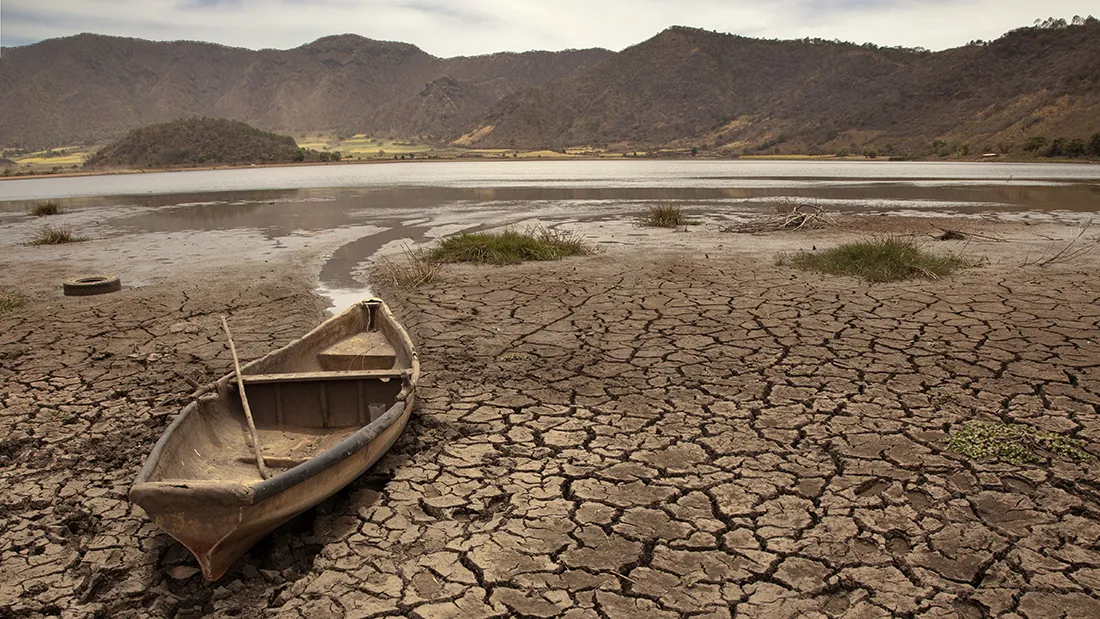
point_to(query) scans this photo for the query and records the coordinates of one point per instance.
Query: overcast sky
(468, 27)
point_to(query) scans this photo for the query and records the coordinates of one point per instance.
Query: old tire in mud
(93, 284)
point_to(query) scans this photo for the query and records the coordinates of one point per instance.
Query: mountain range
(684, 87)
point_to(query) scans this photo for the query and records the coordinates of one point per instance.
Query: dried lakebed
(634, 434)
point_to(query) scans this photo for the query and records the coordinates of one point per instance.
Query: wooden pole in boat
(266, 474)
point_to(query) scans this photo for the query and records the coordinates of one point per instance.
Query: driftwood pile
(788, 217)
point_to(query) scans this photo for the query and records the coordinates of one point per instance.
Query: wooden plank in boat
(362, 351)
(296, 377)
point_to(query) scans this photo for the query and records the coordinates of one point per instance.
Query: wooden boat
(325, 408)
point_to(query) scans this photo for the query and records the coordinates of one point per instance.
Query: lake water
(698, 174)
(413, 200)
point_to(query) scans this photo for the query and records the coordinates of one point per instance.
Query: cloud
(449, 27)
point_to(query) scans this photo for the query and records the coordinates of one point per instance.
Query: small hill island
(202, 141)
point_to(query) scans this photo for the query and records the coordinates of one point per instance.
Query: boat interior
(304, 399)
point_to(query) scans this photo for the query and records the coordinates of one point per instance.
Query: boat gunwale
(361, 438)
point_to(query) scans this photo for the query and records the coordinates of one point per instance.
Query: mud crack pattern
(653, 437)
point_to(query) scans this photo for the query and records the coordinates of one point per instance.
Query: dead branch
(795, 217)
(949, 234)
(1069, 252)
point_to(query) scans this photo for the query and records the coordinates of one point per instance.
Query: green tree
(1076, 147)
(337, 156)
(694, 150)
(870, 152)
(964, 149)
(1058, 148)
(1035, 143)
(299, 155)
(1094, 144)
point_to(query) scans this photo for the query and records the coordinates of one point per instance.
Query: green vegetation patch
(202, 141)
(665, 216)
(42, 209)
(880, 260)
(50, 235)
(1014, 443)
(10, 300)
(510, 246)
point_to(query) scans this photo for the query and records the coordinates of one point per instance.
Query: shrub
(510, 247)
(1076, 148)
(1035, 143)
(49, 235)
(870, 152)
(1094, 144)
(42, 209)
(879, 260)
(665, 216)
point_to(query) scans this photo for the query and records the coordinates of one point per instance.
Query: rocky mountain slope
(91, 87)
(682, 88)
(693, 87)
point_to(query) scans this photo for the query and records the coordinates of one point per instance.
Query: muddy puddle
(351, 225)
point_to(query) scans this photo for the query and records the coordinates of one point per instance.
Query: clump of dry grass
(880, 260)
(417, 268)
(50, 235)
(665, 216)
(10, 300)
(43, 209)
(510, 246)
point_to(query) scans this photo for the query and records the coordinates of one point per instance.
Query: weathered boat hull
(218, 518)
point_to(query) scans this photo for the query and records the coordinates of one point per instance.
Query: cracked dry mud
(624, 435)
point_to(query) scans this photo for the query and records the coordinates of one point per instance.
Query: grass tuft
(510, 246)
(880, 260)
(49, 235)
(417, 268)
(665, 216)
(42, 209)
(1014, 443)
(10, 300)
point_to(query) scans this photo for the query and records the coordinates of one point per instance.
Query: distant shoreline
(803, 158)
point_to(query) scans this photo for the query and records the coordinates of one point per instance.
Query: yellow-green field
(65, 157)
(361, 146)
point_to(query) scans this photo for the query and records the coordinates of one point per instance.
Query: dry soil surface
(633, 434)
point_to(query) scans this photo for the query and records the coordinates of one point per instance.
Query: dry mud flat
(627, 435)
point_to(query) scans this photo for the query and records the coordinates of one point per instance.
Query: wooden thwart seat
(368, 350)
